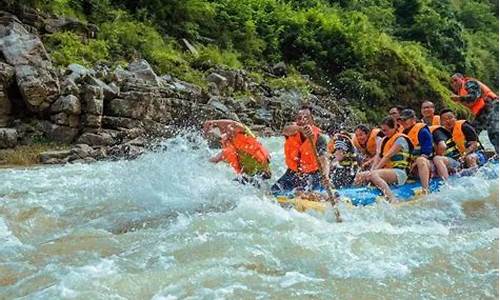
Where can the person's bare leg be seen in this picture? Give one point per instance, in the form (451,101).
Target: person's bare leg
(441,163)
(382,178)
(423,172)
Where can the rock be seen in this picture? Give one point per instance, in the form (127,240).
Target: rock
(77,72)
(108,92)
(59,133)
(53,161)
(68,104)
(216,103)
(99,153)
(69,87)
(93,100)
(65,119)
(120,75)
(92,121)
(7,73)
(124,108)
(143,71)
(35,74)
(263,116)
(219,80)
(190,47)
(93,139)
(82,150)
(51,157)
(118,122)
(5,107)
(280,69)
(8,138)
(126,151)
(213,90)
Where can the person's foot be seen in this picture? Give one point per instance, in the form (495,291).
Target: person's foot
(393,200)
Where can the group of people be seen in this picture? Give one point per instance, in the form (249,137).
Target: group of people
(403,146)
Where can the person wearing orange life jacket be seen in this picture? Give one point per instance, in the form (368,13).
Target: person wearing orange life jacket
(392,163)
(367,143)
(481,101)
(428,116)
(457,143)
(303,171)
(421,139)
(240,149)
(394,113)
(345,160)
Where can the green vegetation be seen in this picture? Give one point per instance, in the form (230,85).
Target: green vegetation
(373,52)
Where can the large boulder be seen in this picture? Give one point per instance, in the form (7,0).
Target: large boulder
(35,75)
(59,133)
(8,138)
(143,71)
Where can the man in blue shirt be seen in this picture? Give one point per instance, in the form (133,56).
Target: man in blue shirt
(421,138)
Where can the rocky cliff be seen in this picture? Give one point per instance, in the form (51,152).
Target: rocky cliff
(116,112)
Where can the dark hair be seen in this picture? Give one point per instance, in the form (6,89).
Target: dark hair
(306,107)
(398,107)
(363,128)
(389,122)
(445,111)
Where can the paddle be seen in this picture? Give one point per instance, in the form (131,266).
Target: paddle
(331,197)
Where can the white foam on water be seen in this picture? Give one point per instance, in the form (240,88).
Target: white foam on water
(170,225)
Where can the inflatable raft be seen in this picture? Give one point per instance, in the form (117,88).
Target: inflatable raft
(362,196)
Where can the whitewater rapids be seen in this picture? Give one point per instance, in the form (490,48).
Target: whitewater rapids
(170,225)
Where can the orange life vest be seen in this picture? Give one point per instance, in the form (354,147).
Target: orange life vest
(434,127)
(299,155)
(486,95)
(371,144)
(458,136)
(400,160)
(413,135)
(400,128)
(244,143)
(436,120)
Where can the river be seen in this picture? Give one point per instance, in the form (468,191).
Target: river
(170,225)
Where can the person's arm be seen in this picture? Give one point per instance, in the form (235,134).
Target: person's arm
(394,149)
(321,149)
(228,127)
(471,138)
(291,129)
(425,140)
(474,91)
(217,158)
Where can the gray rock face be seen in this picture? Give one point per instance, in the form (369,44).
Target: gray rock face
(143,71)
(59,133)
(66,119)
(35,74)
(82,150)
(94,139)
(219,80)
(8,138)
(6,78)
(67,104)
